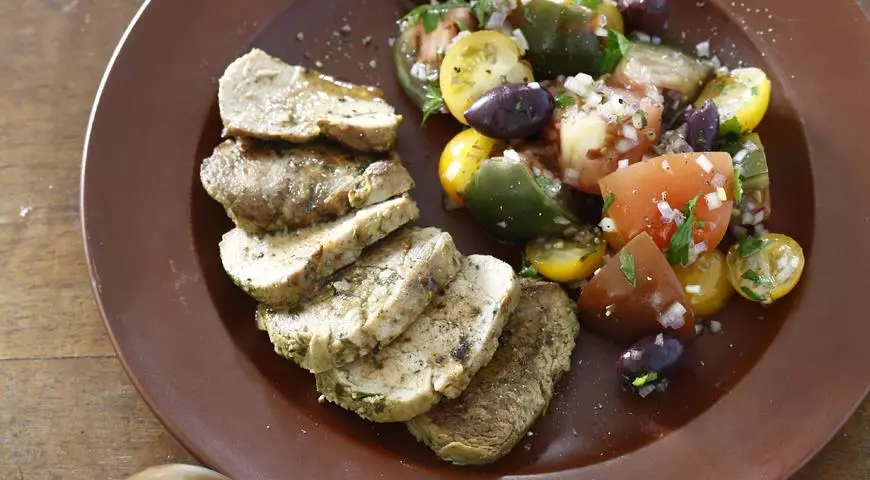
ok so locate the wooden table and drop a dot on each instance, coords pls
(68, 410)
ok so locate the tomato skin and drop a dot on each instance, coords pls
(476, 64)
(461, 158)
(565, 261)
(637, 189)
(709, 274)
(634, 311)
(781, 260)
(589, 140)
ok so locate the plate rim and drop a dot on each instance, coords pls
(208, 457)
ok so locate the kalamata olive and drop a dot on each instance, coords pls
(702, 126)
(511, 111)
(647, 365)
(649, 16)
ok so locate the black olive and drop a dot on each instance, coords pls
(702, 126)
(648, 364)
(648, 16)
(511, 111)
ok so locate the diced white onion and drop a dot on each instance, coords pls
(760, 230)
(625, 145)
(642, 37)
(719, 180)
(660, 340)
(666, 166)
(703, 49)
(419, 71)
(666, 211)
(520, 39)
(607, 224)
(746, 218)
(715, 326)
(501, 224)
(496, 20)
(629, 132)
(739, 231)
(720, 192)
(571, 175)
(656, 40)
(712, 200)
(593, 99)
(674, 317)
(512, 155)
(693, 289)
(750, 147)
(535, 86)
(580, 84)
(600, 32)
(561, 221)
(704, 163)
(602, 19)
(758, 218)
(741, 155)
(700, 248)
(622, 163)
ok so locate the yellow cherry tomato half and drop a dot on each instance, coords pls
(477, 63)
(765, 269)
(567, 260)
(706, 283)
(460, 159)
(742, 98)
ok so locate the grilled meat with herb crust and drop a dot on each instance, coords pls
(261, 96)
(282, 268)
(271, 186)
(506, 396)
(437, 355)
(366, 305)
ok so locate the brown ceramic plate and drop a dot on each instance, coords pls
(758, 400)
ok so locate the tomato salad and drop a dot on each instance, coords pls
(572, 99)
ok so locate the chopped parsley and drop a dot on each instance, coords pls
(720, 87)
(617, 47)
(732, 128)
(563, 100)
(679, 251)
(482, 10)
(611, 197)
(626, 264)
(749, 246)
(527, 270)
(644, 379)
(544, 182)
(432, 102)
(519, 106)
(643, 120)
(761, 280)
(431, 15)
(752, 295)
(755, 91)
(738, 186)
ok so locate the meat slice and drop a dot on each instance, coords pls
(261, 96)
(270, 186)
(505, 397)
(281, 268)
(437, 355)
(366, 305)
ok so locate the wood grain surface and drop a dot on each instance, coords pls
(67, 410)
